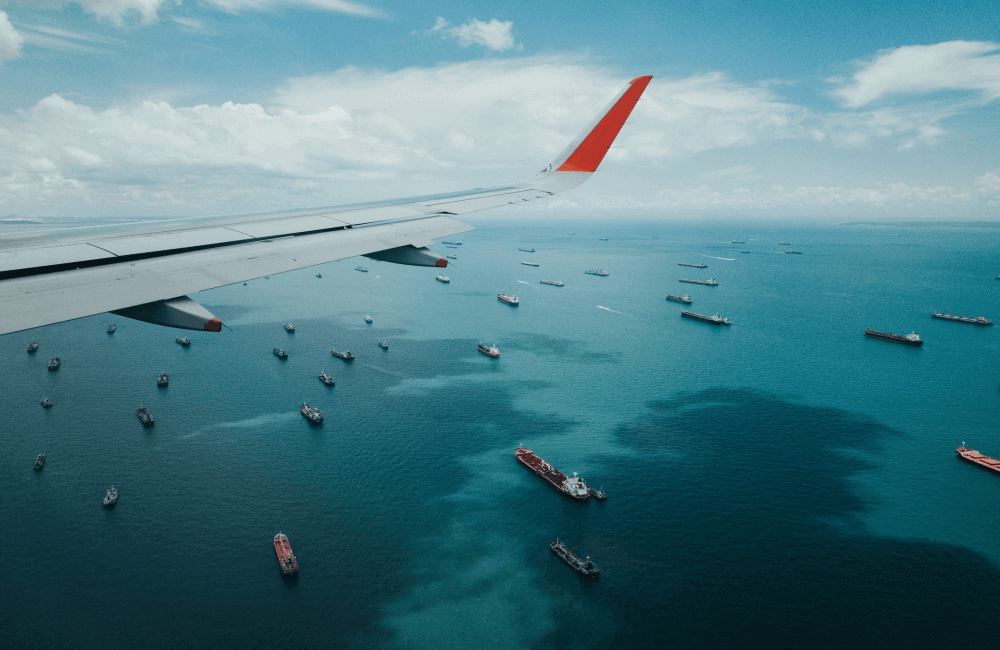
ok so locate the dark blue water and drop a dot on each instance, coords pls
(784, 482)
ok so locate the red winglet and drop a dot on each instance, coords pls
(441, 263)
(214, 325)
(592, 150)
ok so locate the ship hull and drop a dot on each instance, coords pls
(546, 472)
(707, 284)
(703, 319)
(895, 338)
(678, 299)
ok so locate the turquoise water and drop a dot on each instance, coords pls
(784, 481)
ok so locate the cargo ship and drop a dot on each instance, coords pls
(554, 283)
(585, 568)
(443, 278)
(112, 328)
(510, 300)
(977, 458)
(684, 299)
(980, 320)
(32, 347)
(526, 250)
(709, 282)
(53, 363)
(696, 266)
(452, 243)
(144, 416)
(529, 263)
(183, 340)
(490, 351)
(910, 339)
(714, 320)
(346, 356)
(600, 272)
(289, 328)
(278, 352)
(575, 487)
(793, 252)
(311, 414)
(361, 268)
(286, 559)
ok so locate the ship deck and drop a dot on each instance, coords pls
(973, 456)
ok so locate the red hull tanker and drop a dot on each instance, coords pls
(974, 456)
(285, 558)
(574, 487)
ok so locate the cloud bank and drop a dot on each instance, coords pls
(494, 35)
(10, 40)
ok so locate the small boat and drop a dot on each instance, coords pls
(112, 328)
(490, 351)
(604, 239)
(32, 347)
(326, 378)
(530, 263)
(714, 320)
(144, 416)
(368, 319)
(554, 283)
(979, 320)
(289, 328)
(737, 242)
(289, 566)
(111, 498)
(793, 252)
(39, 462)
(510, 300)
(46, 402)
(697, 266)
(526, 250)
(784, 243)
(709, 282)
(162, 380)
(600, 494)
(361, 268)
(346, 356)
(684, 299)
(53, 363)
(278, 352)
(319, 275)
(384, 345)
(311, 414)
(244, 284)
(585, 568)
(443, 278)
(451, 257)
(452, 243)
(744, 251)
(600, 272)
(267, 277)
(183, 340)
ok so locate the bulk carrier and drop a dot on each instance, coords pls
(980, 320)
(973, 456)
(285, 556)
(910, 339)
(575, 487)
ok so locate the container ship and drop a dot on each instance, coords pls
(574, 487)
(974, 456)
(285, 557)
(684, 299)
(714, 320)
(710, 282)
(910, 339)
(980, 320)
(696, 266)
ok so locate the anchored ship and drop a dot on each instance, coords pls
(451, 257)
(526, 250)
(318, 275)
(278, 352)
(510, 300)
(490, 351)
(289, 328)
(794, 252)
(53, 363)
(737, 242)
(144, 416)
(452, 243)
(183, 340)
(368, 319)
(600, 272)
(684, 299)
(46, 403)
(910, 339)
(311, 414)
(443, 278)
(112, 328)
(289, 566)
(977, 458)
(111, 498)
(586, 568)
(384, 345)
(554, 283)
(39, 462)
(361, 268)
(326, 378)
(162, 380)
(530, 263)
(714, 320)
(346, 356)
(575, 487)
(980, 320)
(32, 347)
(709, 282)
(697, 266)
(784, 243)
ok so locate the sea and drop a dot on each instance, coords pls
(784, 482)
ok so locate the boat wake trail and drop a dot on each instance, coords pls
(728, 259)
(614, 311)
(529, 284)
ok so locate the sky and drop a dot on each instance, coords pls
(812, 111)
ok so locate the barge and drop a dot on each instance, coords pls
(586, 568)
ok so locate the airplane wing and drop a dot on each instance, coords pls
(147, 275)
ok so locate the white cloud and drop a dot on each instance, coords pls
(921, 69)
(495, 35)
(336, 6)
(988, 186)
(10, 39)
(117, 11)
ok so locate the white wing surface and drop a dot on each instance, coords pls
(147, 274)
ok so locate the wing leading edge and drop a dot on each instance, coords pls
(147, 274)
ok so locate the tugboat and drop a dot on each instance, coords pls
(443, 278)
(684, 299)
(32, 347)
(554, 283)
(600, 495)
(144, 416)
(111, 498)
(162, 380)
(491, 351)
(326, 378)
(311, 414)
(714, 320)
(183, 340)
(384, 345)
(368, 319)
(39, 462)
(709, 282)
(111, 328)
(46, 403)
(526, 250)
(980, 320)
(585, 568)
(910, 339)
(697, 266)
(319, 275)
(286, 559)
(600, 272)
(575, 488)
(53, 363)
(289, 328)
(346, 356)
(278, 352)
(510, 300)
(361, 268)
(530, 263)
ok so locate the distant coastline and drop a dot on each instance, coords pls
(927, 224)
